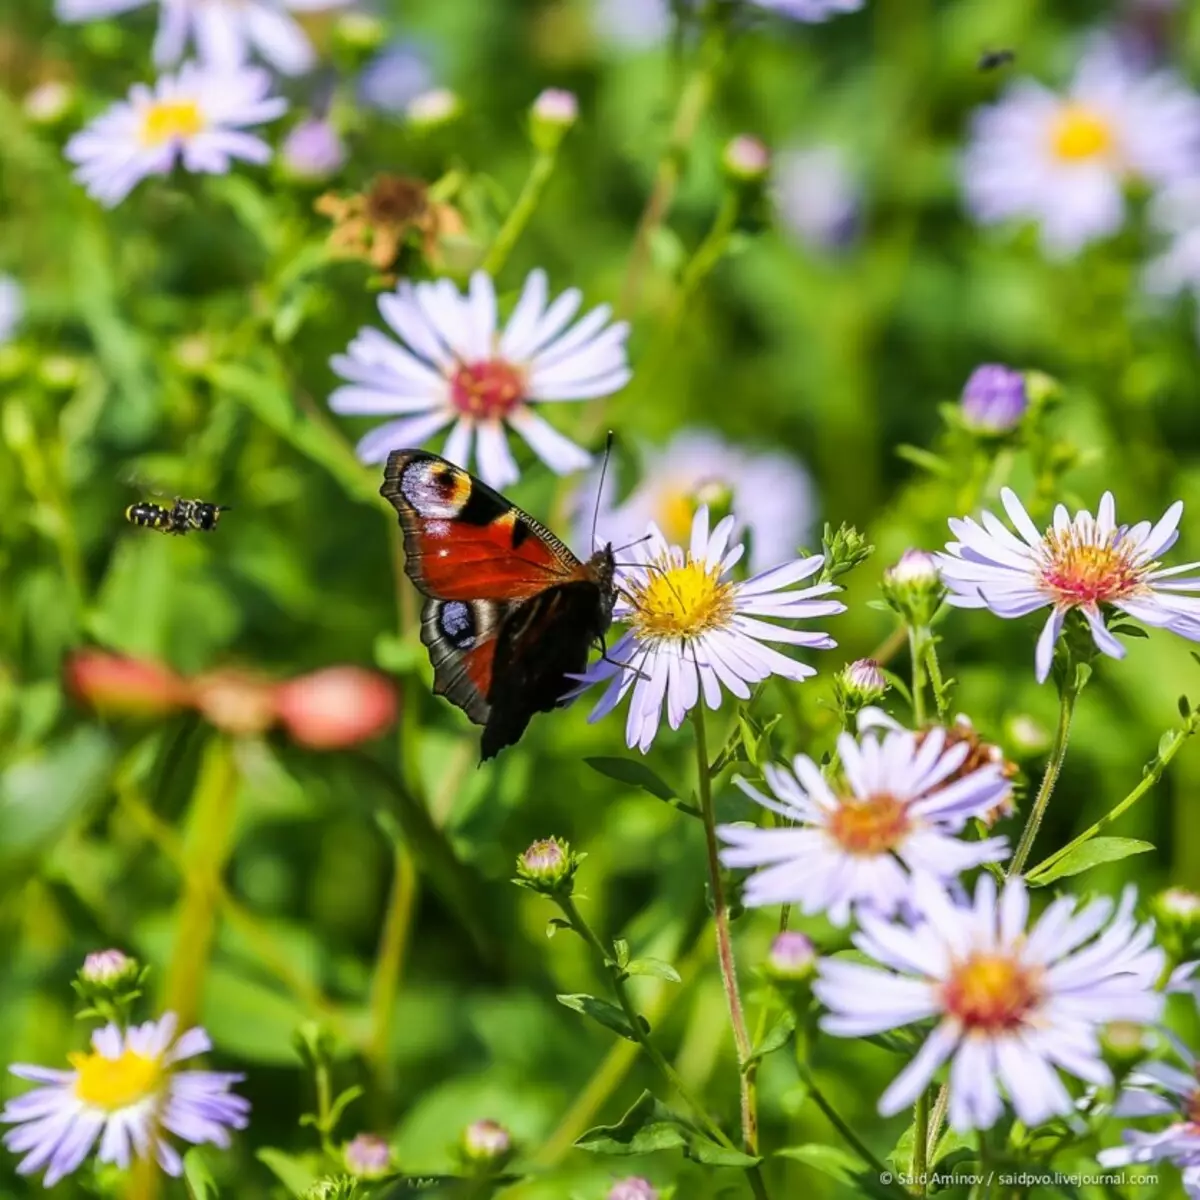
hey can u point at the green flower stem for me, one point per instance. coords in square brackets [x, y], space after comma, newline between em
[521, 212]
[693, 102]
[389, 964]
[636, 1022]
[1154, 773]
[920, 1152]
[917, 637]
[935, 1123]
[1058, 751]
[737, 1016]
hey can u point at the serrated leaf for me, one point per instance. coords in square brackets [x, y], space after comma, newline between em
[653, 966]
[633, 772]
[775, 1038]
[197, 1176]
[650, 1126]
[1092, 853]
[601, 1011]
[295, 1175]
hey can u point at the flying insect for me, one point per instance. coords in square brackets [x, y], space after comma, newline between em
[183, 516]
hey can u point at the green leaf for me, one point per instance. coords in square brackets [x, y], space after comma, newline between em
[924, 459]
[295, 1174]
[1093, 853]
[608, 1015]
[632, 772]
[1185, 707]
[650, 1126]
[555, 924]
[198, 1177]
[775, 1038]
[846, 1169]
[340, 1105]
[653, 966]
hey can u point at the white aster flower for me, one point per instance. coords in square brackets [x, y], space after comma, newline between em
[1063, 161]
[896, 814]
[771, 493]
[1012, 1006]
[127, 1092]
[453, 365]
[1078, 563]
[1158, 1089]
[197, 118]
[225, 32]
[693, 630]
[12, 307]
[809, 11]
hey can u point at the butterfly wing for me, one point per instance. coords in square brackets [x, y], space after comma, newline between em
[461, 638]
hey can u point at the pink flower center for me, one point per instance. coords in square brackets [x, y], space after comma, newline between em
[488, 390]
[990, 993]
[1077, 572]
[872, 826]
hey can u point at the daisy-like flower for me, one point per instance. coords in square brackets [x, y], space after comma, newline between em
[225, 32]
[128, 1093]
[817, 195]
[862, 841]
[197, 118]
[1158, 1089]
[1078, 563]
[12, 307]
[771, 494]
[811, 12]
[1063, 161]
[452, 365]
[695, 631]
[1012, 1006]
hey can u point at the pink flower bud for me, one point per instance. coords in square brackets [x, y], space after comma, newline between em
[336, 707]
[236, 702]
[112, 684]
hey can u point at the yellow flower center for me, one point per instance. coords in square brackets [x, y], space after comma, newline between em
[1081, 133]
[170, 120]
[871, 826]
[1077, 572]
[114, 1083]
[676, 509]
[680, 602]
[990, 993]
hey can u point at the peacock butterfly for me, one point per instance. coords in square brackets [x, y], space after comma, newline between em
[510, 612]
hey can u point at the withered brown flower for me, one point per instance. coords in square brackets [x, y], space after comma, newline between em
[979, 754]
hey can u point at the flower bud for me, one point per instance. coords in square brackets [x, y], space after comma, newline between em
[433, 108]
[844, 550]
[487, 1144]
[746, 160]
[313, 151]
[1177, 915]
[336, 707]
[913, 587]
[107, 984]
[1124, 1044]
[359, 32]
[124, 686]
[49, 103]
[548, 866]
[633, 1188]
[105, 968]
[860, 683]
[368, 1157]
[792, 958]
[994, 399]
[552, 114]
[235, 701]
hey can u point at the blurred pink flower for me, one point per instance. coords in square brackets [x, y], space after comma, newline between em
[336, 707]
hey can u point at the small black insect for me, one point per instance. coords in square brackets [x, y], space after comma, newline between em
[990, 60]
[182, 517]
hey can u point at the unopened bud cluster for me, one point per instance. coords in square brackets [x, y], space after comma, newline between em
[548, 866]
[914, 588]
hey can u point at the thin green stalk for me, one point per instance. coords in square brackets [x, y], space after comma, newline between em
[835, 1119]
[693, 101]
[389, 963]
[1058, 751]
[1153, 774]
[920, 1153]
[636, 1024]
[520, 213]
[935, 1122]
[733, 999]
[916, 647]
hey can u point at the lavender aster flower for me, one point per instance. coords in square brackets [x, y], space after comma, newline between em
[633, 1188]
[862, 842]
[1079, 563]
[313, 150]
[395, 77]
[694, 631]
[1012, 1006]
[994, 398]
[817, 196]
[811, 12]
[197, 118]
[452, 365]
[1062, 161]
[128, 1093]
[225, 32]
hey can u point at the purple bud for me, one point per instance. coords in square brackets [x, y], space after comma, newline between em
[633, 1188]
[994, 399]
[865, 678]
[792, 957]
[556, 107]
[368, 1156]
[746, 159]
[106, 967]
[313, 150]
[486, 1141]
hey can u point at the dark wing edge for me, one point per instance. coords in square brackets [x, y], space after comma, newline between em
[462, 671]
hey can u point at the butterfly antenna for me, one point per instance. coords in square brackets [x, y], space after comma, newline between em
[644, 538]
[608, 445]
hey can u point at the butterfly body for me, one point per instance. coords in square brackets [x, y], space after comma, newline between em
[510, 612]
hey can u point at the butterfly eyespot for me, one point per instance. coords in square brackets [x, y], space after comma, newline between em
[436, 491]
[458, 624]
